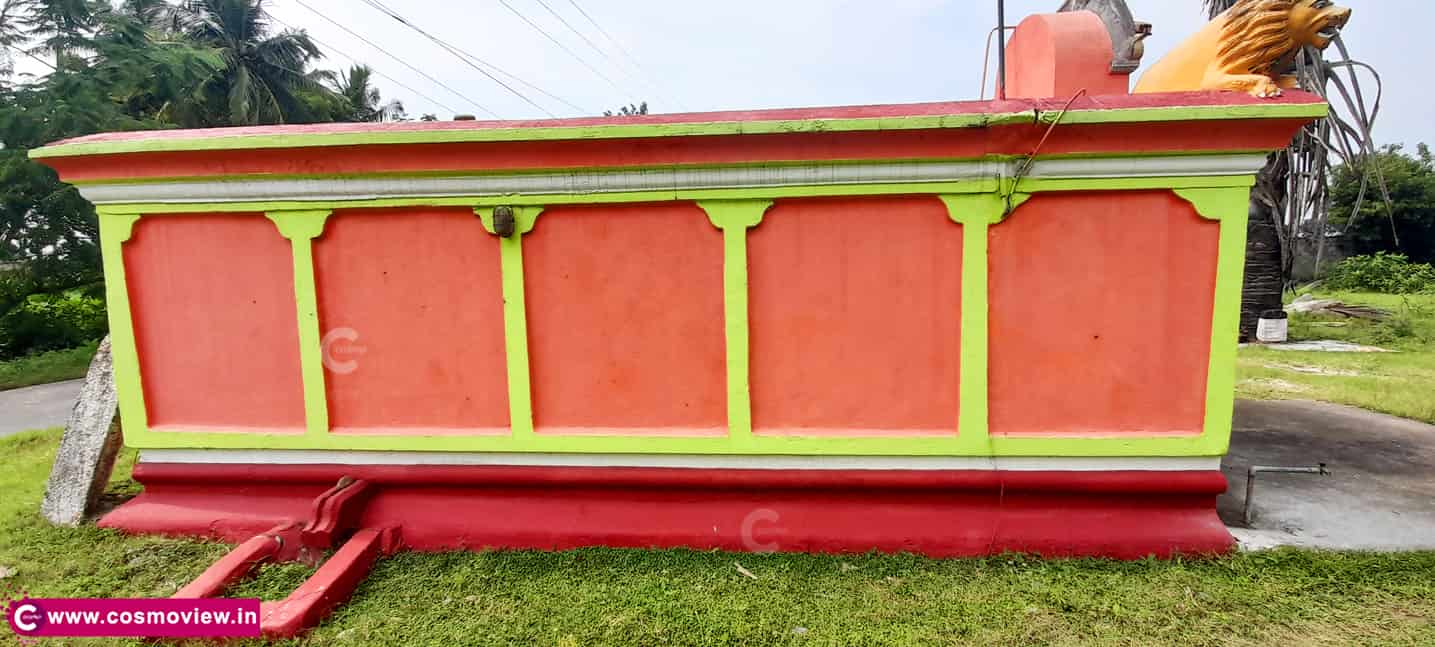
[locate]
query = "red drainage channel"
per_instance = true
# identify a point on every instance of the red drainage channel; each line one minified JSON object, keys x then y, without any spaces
{"x":336,"y":514}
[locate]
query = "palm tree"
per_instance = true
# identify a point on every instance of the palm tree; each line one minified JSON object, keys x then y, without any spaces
{"x":151,"y":69}
{"x":364,"y":101}
{"x":158,"y":15}
{"x":263,"y":78}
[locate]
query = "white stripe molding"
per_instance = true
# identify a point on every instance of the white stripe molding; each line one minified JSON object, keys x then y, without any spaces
{"x":660,"y":179}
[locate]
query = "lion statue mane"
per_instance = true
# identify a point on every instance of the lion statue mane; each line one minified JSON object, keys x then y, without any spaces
{"x":1248,"y":48}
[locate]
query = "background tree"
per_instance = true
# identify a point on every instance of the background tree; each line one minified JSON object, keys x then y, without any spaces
{"x":11,"y":35}
{"x":628,"y":110}
{"x":128,"y":83}
{"x":263,"y":78}
{"x":141,"y":64}
{"x":61,"y":27}
{"x":1407,"y":226}
{"x":362,"y":99}
{"x":158,"y":15}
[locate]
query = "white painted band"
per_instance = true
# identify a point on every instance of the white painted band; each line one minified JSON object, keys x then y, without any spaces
{"x":661,"y":179}
{"x":1164,"y":166}
{"x":689,"y":461}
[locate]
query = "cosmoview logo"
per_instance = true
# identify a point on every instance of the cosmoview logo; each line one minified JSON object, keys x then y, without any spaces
{"x":136,"y":617}
{"x":340,"y":353}
{"x":755,"y":522}
{"x":26,"y":617}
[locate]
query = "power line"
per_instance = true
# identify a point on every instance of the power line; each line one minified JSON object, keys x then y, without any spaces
{"x":563,"y":47}
{"x":396,"y":58}
{"x":37,"y":58}
{"x":601,"y":52}
{"x":550,"y":95}
{"x":595,"y":47}
{"x":464,"y":56}
{"x":626,"y":54}
{"x":358,"y":62}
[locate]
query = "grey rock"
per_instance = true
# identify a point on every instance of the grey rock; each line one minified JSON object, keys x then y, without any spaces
{"x":87,"y":449}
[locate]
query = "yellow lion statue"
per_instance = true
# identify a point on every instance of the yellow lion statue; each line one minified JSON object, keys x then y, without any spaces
{"x":1247,"y":48}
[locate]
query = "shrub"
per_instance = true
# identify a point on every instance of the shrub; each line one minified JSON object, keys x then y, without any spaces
{"x":47,"y":367}
{"x":45,"y":322}
{"x":1382,"y":272}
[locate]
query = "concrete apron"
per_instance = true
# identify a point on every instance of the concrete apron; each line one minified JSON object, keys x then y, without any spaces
{"x":1379,"y":494}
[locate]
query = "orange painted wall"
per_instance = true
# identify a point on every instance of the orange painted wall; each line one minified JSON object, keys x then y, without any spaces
{"x":418,"y":291}
{"x":1100,"y":315}
{"x":212,"y":299}
{"x":1057,"y":55}
{"x":855,"y":317}
{"x":625,"y":320}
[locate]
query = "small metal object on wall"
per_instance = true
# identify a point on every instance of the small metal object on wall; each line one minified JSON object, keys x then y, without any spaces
{"x":504,"y":223}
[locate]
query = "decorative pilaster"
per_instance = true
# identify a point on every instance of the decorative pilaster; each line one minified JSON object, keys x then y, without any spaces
{"x":301,"y":228}
{"x":1230,"y":206}
{"x":116,"y":228}
{"x":976,"y":213}
{"x":515,"y":316}
{"x":734,"y":218}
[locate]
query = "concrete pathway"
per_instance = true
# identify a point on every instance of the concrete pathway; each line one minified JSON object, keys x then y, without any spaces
{"x":1380,"y":494}
{"x":37,"y":407}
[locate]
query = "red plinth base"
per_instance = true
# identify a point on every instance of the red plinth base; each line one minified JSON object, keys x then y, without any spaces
{"x":1124,"y":515}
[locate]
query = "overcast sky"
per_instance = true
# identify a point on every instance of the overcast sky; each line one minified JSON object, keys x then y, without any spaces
{"x":772,"y":53}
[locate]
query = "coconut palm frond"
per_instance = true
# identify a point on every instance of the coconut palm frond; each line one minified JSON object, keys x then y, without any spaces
{"x":265,"y":78}
{"x":355,"y":86}
{"x":1217,"y":7}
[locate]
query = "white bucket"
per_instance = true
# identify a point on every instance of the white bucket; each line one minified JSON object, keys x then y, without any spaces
{"x":1273,"y":327}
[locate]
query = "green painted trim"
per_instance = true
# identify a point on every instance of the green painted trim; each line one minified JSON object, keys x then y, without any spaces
{"x":225,"y":141}
{"x":1188,"y":113}
{"x":301,"y":228}
{"x":115,"y":230}
{"x":734,"y":218}
{"x":515,"y":318}
{"x":1193,"y":445}
{"x":976,"y":212}
{"x":975,"y":205}
{"x":951,"y":445}
{"x":1010,"y":200}
{"x":1220,"y":203}
{"x":1229,"y":206}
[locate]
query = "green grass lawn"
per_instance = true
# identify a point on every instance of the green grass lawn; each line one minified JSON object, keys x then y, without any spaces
{"x":1401,"y":383}
{"x":633,"y":597}
{"x":44,"y":368}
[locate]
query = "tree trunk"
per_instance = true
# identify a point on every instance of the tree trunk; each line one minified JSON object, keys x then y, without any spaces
{"x":1265,"y":258}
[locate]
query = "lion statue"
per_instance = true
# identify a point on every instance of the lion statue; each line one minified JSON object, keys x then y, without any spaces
{"x":1248,"y":48}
